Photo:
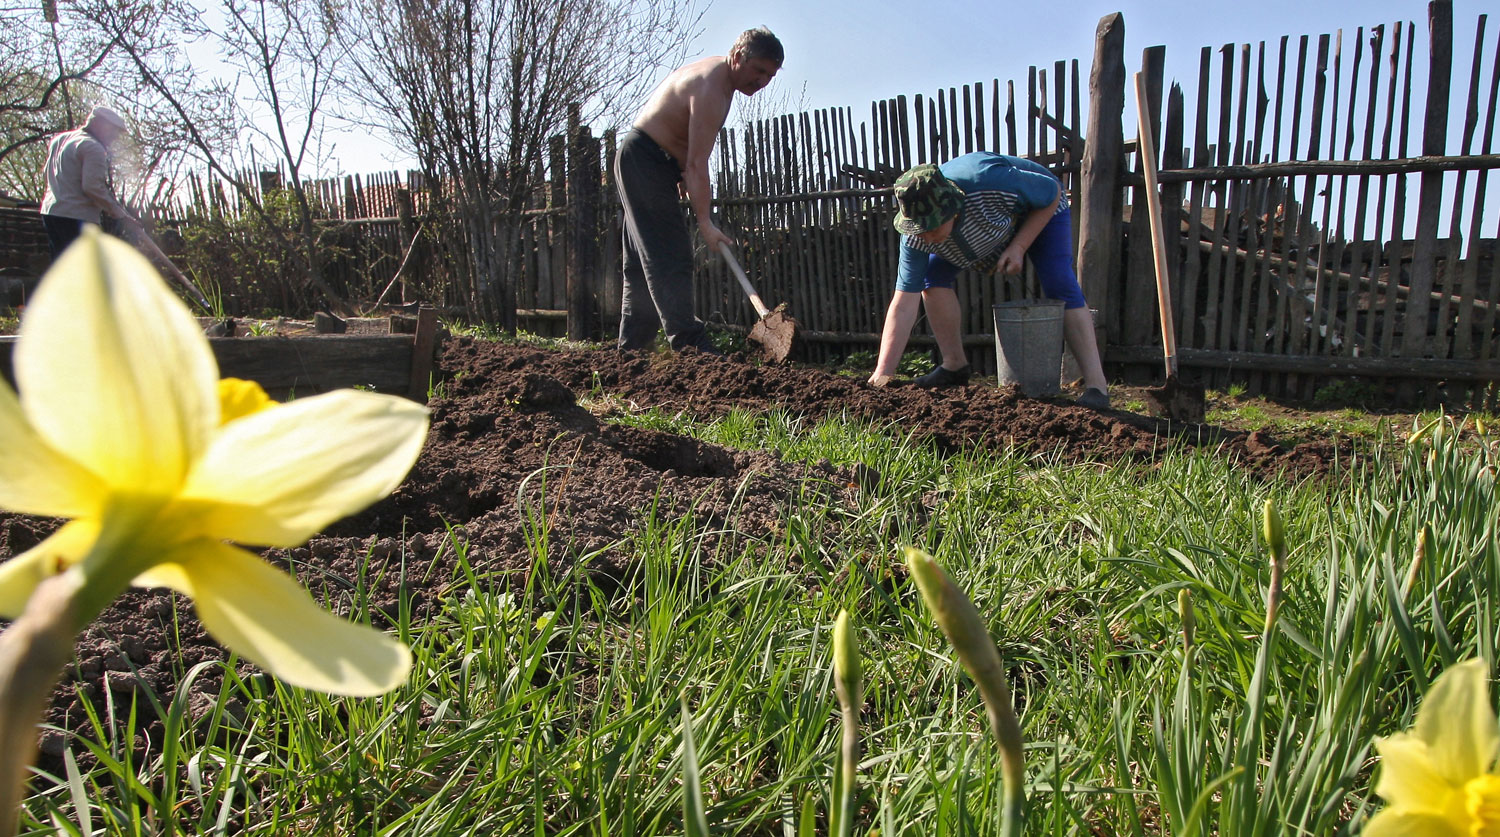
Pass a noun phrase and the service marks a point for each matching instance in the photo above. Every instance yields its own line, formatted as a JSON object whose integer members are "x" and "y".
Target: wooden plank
{"x": 1486, "y": 323}
{"x": 1030, "y": 109}
{"x": 1060, "y": 137}
{"x": 968, "y": 121}
{"x": 1357, "y": 246}
{"x": 1415, "y": 341}
{"x": 304, "y": 365}
{"x": 995, "y": 117}
{"x": 921, "y": 129}
{"x": 1398, "y": 213}
{"x": 423, "y": 353}
{"x": 1468, "y": 277}
{"x": 979, "y": 116}
{"x": 1291, "y": 309}
{"x": 1406, "y": 368}
{"x": 1100, "y": 198}
{"x": 1193, "y": 265}
{"x": 1220, "y": 271}
{"x": 954, "y": 145}
{"x": 940, "y": 130}
{"x": 1010, "y": 118}
{"x": 1040, "y": 116}
{"x": 1187, "y": 315}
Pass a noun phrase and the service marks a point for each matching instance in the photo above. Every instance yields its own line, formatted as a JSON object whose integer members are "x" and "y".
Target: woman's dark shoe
{"x": 1094, "y": 399}
{"x": 942, "y": 377}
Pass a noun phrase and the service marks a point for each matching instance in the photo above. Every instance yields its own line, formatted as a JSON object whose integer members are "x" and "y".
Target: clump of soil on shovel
{"x": 509, "y": 412}
{"x": 776, "y": 333}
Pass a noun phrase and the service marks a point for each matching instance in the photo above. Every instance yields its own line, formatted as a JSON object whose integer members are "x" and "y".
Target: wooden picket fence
{"x": 1288, "y": 204}
{"x": 1323, "y": 227}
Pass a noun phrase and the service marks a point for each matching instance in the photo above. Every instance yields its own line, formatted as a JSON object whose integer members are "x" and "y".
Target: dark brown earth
{"x": 512, "y": 455}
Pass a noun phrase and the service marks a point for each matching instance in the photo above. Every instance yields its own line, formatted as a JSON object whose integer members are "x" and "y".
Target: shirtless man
{"x": 668, "y": 146}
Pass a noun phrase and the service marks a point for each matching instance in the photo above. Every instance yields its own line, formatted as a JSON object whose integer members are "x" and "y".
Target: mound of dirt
{"x": 513, "y": 461}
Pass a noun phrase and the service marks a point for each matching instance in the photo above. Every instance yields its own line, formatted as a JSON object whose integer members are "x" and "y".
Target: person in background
{"x": 79, "y": 187}
{"x": 668, "y": 149}
{"x": 988, "y": 212}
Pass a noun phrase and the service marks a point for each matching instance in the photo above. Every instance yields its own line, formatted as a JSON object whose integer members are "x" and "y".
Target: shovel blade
{"x": 776, "y": 333}
{"x": 1176, "y": 400}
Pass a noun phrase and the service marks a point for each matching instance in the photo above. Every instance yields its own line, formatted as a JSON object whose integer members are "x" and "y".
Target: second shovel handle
{"x": 1146, "y": 140}
{"x": 739, "y": 273}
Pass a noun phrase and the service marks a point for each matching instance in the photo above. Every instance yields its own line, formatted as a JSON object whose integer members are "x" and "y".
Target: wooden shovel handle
{"x": 739, "y": 273}
{"x": 1146, "y": 146}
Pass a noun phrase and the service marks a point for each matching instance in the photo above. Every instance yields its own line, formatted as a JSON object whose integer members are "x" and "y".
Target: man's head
{"x": 925, "y": 201}
{"x": 754, "y": 60}
{"x": 105, "y": 124}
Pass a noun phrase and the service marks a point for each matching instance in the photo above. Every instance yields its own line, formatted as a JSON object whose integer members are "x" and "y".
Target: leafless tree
{"x": 280, "y": 56}
{"x": 473, "y": 89}
{"x": 44, "y": 72}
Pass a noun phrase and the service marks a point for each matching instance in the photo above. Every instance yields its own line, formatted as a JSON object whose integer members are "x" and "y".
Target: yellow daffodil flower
{"x": 123, "y": 427}
{"x": 1438, "y": 779}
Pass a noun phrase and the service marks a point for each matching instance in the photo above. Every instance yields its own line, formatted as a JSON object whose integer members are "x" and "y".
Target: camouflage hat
{"x": 925, "y": 199}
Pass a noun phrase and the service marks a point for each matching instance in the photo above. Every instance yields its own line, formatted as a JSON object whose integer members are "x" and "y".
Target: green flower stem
{"x": 970, "y": 638}
{"x": 847, "y": 683}
{"x": 33, "y": 651}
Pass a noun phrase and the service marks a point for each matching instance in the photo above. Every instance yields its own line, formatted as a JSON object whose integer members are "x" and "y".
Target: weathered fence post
{"x": 406, "y": 224}
{"x": 611, "y": 277}
{"x": 1100, "y": 198}
{"x": 1429, "y": 205}
{"x": 583, "y": 229}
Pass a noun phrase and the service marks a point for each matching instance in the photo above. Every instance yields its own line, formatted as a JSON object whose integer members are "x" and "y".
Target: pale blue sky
{"x": 848, "y": 53}
{"x": 851, "y": 53}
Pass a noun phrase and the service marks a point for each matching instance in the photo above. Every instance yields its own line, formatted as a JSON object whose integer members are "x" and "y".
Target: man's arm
{"x": 1010, "y": 260}
{"x": 899, "y": 318}
{"x": 706, "y": 113}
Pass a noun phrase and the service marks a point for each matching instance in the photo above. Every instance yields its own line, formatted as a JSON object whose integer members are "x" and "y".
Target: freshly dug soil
{"x": 512, "y": 457}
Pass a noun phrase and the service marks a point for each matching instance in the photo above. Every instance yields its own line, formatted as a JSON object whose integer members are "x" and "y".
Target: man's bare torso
{"x": 666, "y": 117}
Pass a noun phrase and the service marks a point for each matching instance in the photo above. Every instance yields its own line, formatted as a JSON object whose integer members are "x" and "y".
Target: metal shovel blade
{"x": 776, "y": 331}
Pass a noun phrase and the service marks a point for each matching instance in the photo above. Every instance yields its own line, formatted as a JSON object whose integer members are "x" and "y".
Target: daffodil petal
{"x": 260, "y": 613}
{"x": 1391, "y": 823}
{"x": 35, "y": 478}
{"x": 20, "y": 575}
{"x": 113, "y": 370}
{"x": 278, "y": 476}
{"x": 1409, "y": 778}
{"x": 1457, "y": 723}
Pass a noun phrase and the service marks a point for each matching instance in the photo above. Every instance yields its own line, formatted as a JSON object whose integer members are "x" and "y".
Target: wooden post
{"x": 406, "y": 224}
{"x": 583, "y": 230}
{"x": 1100, "y": 198}
{"x": 424, "y": 345}
{"x": 1429, "y": 205}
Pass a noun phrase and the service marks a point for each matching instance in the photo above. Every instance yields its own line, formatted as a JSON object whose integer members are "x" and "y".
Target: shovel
{"x": 147, "y": 245}
{"x": 1176, "y": 400}
{"x": 776, "y": 331}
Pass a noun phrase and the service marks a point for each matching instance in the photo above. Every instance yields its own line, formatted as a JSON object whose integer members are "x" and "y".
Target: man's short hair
{"x": 758, "y": 43}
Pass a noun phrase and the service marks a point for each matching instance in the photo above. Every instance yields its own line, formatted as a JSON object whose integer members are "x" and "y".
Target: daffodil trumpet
{"x": 123, "y": 428}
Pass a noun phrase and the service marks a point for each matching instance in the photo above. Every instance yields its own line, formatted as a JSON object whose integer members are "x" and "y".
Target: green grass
{"x": 560, "y": 708}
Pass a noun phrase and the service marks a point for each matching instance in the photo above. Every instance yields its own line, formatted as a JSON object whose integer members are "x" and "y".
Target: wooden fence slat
{"x": 1010, "y": 118}
{"x": 1196, "y": 203}
{"x": 1398, "y": 197}
{"x": 1468, "y": 281}
{"x": 1414, "y": 340}
{"x": 1487, "y": 320}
